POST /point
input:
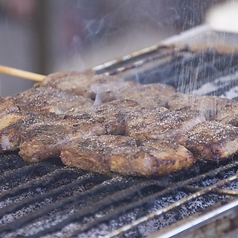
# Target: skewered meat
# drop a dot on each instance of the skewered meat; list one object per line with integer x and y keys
{"x": 44, "y": 141}
{"x": 120, "y": 154}
{"x": 211, "y": 140}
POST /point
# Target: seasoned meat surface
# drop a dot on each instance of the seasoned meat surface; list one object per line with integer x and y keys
{"x": 42, "y": 141}
{"x": 102, "y": 89}
{"x": 76, "y": 83}
{"x": 13, "y": 125}
{"x": 149, "y": 95}
{"x": 161, "y": 123}
{"x": 211, "y": 140}
{"x": 47, "y": 100}
{"x": 7, "y": 107}
{"x": 120, "y": 154}
{"x": 213, "y": 108}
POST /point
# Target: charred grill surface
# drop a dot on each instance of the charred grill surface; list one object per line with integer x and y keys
{"x": 69, "y": 202}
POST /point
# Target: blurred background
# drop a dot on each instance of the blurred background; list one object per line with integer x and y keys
{"x": 46, "y": 36}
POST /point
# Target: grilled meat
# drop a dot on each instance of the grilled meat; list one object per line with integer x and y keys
{"x": 109, "y": 126}
{"x": 149, "y": 95}
{"x": 213, "y": 108}
{"x": 38, "y": 128}
{"x": 42, "y": 141}
{"x": 211, "y": 140}
{"x": 7, "y": 106}
{"x": 13, "y": 125}
{"x": 33, "y": 106}
{"x": 77, "y": 83}
{"x": 103, "y": 89}
{"x": 47, "y": 100}
{"x": 161, "y": 123}
{"x": 120, "y": 154}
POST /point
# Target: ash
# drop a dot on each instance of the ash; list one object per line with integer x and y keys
{"x": 21, "y": 197}
{"x": 38, "y": 226}
{"x": 43, "y": 222}
{"x": 8, "y": 218}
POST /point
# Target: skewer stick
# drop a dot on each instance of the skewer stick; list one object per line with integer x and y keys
{"x": 21, "y": 73}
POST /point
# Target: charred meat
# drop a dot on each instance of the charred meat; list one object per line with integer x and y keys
{"x": 104, "y": 125}
{"x": 120, "y": 154}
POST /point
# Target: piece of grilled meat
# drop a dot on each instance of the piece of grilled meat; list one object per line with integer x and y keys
{"x": 33, "y": 106}
{"x": 211, "y": 140}
{"x": 101, "y": 88}
{"x": 154, "y": 123}
{"x": 77, "y": 83}
{"x": 120, "y": 154}
{"x": 213, "y": 108}
{"x": 14, "y": 125}
{"x": 47, "y": 100}
{"x": 43, "y": 140}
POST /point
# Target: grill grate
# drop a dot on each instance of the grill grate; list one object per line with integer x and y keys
{"x": 69, "y": 202}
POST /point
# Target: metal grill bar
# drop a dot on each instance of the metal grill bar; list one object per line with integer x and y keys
{"x": 172, "y": 206}
{"x": 205, "y": 225}
{"x": 146, "y": 55}
{"x": 217, "y": 190}
{"x": 99, "y": 190}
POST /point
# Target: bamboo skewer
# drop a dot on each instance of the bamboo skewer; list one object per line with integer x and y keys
{"x": 21, "y": 73}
